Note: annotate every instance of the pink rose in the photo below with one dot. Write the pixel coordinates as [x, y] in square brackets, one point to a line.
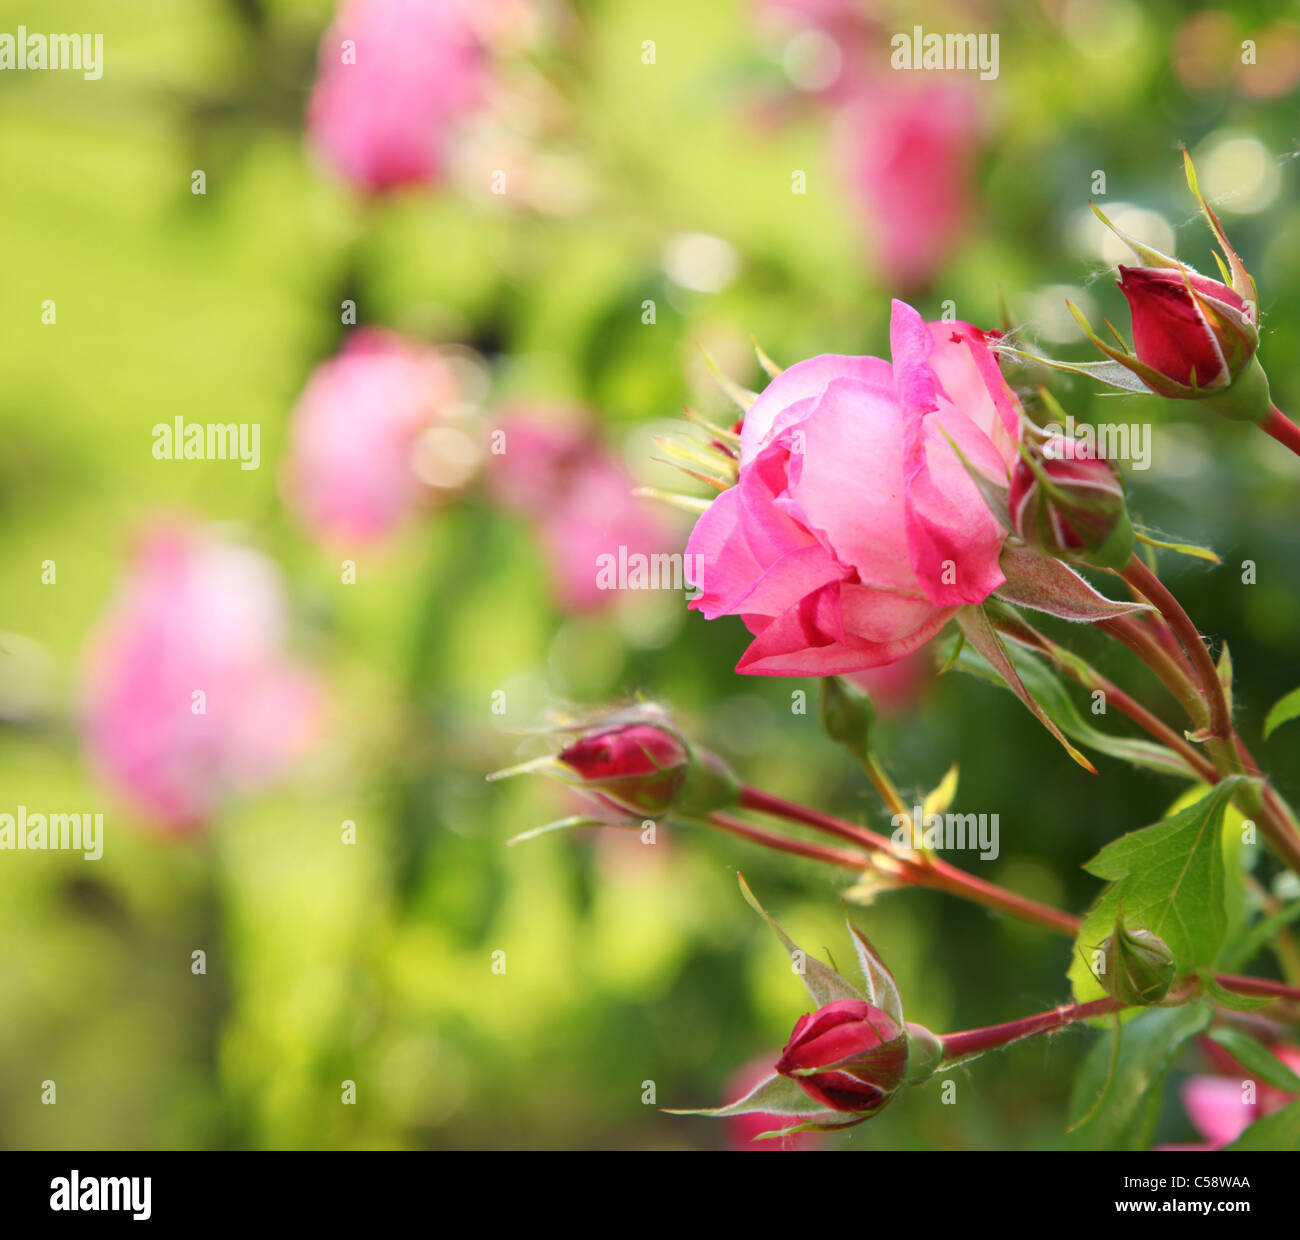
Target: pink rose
[350, 470]
[394, 75]
[854, 531]
[555, 472]
[909, 157]
[188, 695]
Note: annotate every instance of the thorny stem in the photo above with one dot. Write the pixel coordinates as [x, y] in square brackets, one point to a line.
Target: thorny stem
[958, 1046]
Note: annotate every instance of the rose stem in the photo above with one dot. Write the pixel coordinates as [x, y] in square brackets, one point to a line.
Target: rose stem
[932, 872]
[1282, 429]
[1225, 746]
[974, 1041]
[1144, 580]
[783, 843]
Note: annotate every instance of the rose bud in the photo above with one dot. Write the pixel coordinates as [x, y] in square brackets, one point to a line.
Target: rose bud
[1136, 965]
[1194, 337]
[1071, 505]
[1190, 329]
[847, 1056]
[646, 769]
[638, 766]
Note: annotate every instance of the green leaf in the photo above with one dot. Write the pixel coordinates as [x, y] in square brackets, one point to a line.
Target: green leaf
[1170, 880]
[774, 1095]
[566, 824]
[1110, 373]
[1279, 1131]
[1055, 699]
[823, 983]
[1181, 548]
[880, 987]
[1257, 935]
[1256, 1059]
[979, 632]
[1283, 711]
[1117, 1110]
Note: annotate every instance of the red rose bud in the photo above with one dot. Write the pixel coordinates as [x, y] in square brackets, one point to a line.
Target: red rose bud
[847, 1056]
[1192, 330]
[646, 769]
[1071, 505]
[639, 767]
[1194, 337]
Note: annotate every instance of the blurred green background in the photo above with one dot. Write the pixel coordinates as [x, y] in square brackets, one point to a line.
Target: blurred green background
[626, 964]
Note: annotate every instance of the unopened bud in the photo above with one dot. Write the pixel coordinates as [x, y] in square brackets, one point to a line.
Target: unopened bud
[1136, 965]
[848, 1056]
[1070, 504]
[646, 768]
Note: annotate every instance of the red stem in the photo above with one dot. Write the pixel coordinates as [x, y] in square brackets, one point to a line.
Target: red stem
[783, 843]
[974, 1041]
[1282, 429]
[1143, 579]
[1258, 986]
[931, 872]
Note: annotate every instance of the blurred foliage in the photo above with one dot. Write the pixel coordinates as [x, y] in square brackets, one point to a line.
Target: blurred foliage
[625, 964]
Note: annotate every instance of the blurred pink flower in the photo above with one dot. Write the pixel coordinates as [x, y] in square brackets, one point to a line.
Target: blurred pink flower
[350, 469]
[851, 46]
[554, 471]
[906, 148]
[742, 1130]
[909, 157]
[896, 688]
[394, 76]
[1218, 1106]
[188, 696]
